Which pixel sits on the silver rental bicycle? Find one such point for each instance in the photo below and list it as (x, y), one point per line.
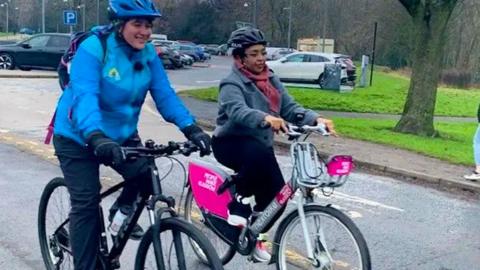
(312, 236)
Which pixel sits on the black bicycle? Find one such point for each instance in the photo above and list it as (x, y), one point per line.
(167, 244)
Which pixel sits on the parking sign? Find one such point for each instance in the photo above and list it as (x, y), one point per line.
(70, 17)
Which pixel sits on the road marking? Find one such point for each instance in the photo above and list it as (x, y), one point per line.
(213, 81)
(355, 214)
(352, 198)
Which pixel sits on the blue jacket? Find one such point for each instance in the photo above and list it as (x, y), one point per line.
(106, 93)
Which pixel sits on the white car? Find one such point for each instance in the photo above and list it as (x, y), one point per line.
(304, 67)
(274, 53)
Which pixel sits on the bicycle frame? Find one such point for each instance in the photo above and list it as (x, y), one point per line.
(149, 203)
(109, 259)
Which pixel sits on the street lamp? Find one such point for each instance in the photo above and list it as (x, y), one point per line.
(82, 6)
(6, 8)
(43, 16)
(254, 12)
(289, 24)
(98, 12)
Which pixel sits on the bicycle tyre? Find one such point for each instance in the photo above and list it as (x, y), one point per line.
(343, 220)
(45, 244)
(176, 225)
(225, 251)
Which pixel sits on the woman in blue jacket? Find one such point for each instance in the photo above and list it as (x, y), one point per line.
(98, 113)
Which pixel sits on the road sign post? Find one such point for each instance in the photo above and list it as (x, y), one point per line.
(70, 18)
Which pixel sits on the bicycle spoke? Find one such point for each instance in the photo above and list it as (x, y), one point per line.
(333, 244)
(55, 242)
(178, 253)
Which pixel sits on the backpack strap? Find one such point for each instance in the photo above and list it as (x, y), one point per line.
(48, 137)
(103, 41)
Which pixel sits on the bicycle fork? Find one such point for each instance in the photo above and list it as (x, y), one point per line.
(321, 257)
(156, 217)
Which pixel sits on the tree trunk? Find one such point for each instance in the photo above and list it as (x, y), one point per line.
(430, 20)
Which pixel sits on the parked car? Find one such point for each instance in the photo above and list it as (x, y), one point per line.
(164, 57)
(200, 53)
(212, 49)
(26, 31)
(41, 51)
(222, 49)
(173, 56)
(306, 67)
(188, 50)
(161, 42)
(281, 52)
(274, 53)
(186, 59)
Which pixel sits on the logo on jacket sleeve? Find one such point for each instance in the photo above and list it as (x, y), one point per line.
(113, 73)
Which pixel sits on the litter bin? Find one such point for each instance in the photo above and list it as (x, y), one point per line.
(332, 77)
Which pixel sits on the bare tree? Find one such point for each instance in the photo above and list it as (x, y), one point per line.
(430, 18)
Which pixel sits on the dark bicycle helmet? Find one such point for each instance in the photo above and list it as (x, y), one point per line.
(126, 9)
(245, 37)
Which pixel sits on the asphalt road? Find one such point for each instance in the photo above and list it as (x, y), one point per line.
(406, 226)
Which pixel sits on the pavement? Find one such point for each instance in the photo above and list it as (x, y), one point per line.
(375, 158)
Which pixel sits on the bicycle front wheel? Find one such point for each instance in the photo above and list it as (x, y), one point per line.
(53, 226)
(336, 241)
(177, 237)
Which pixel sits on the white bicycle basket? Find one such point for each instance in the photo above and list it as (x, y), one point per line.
(313, 172)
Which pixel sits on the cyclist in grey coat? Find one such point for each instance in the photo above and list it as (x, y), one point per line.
(252, 107)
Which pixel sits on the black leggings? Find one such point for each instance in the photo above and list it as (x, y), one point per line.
(81, 172)
(258, 173)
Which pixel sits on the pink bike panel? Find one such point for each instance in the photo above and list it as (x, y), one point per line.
(205, 179)
(340, 165)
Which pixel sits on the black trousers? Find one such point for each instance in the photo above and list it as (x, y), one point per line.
(81, 172)
(258, 172)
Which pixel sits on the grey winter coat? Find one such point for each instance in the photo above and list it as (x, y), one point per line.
(243, 107)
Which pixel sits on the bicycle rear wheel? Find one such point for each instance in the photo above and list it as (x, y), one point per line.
(336, 241)
(194, 215)
(53, 226)
(176, 236)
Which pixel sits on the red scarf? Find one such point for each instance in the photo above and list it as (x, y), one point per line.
(263, 83)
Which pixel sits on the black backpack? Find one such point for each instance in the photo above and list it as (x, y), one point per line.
(101, 32)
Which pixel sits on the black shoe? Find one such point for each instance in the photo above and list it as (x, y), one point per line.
(239, 211)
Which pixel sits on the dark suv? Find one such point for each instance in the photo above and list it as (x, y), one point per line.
(41, 51)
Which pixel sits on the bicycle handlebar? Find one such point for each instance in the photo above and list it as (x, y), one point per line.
(159, 150)
(295, 131)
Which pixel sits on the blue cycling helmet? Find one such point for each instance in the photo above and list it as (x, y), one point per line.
(126, 9)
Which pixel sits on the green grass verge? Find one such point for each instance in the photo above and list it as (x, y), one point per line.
(387, 95)
(453, 145)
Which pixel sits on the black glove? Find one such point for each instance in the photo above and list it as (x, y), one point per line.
(199, 138)
(108, 151)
